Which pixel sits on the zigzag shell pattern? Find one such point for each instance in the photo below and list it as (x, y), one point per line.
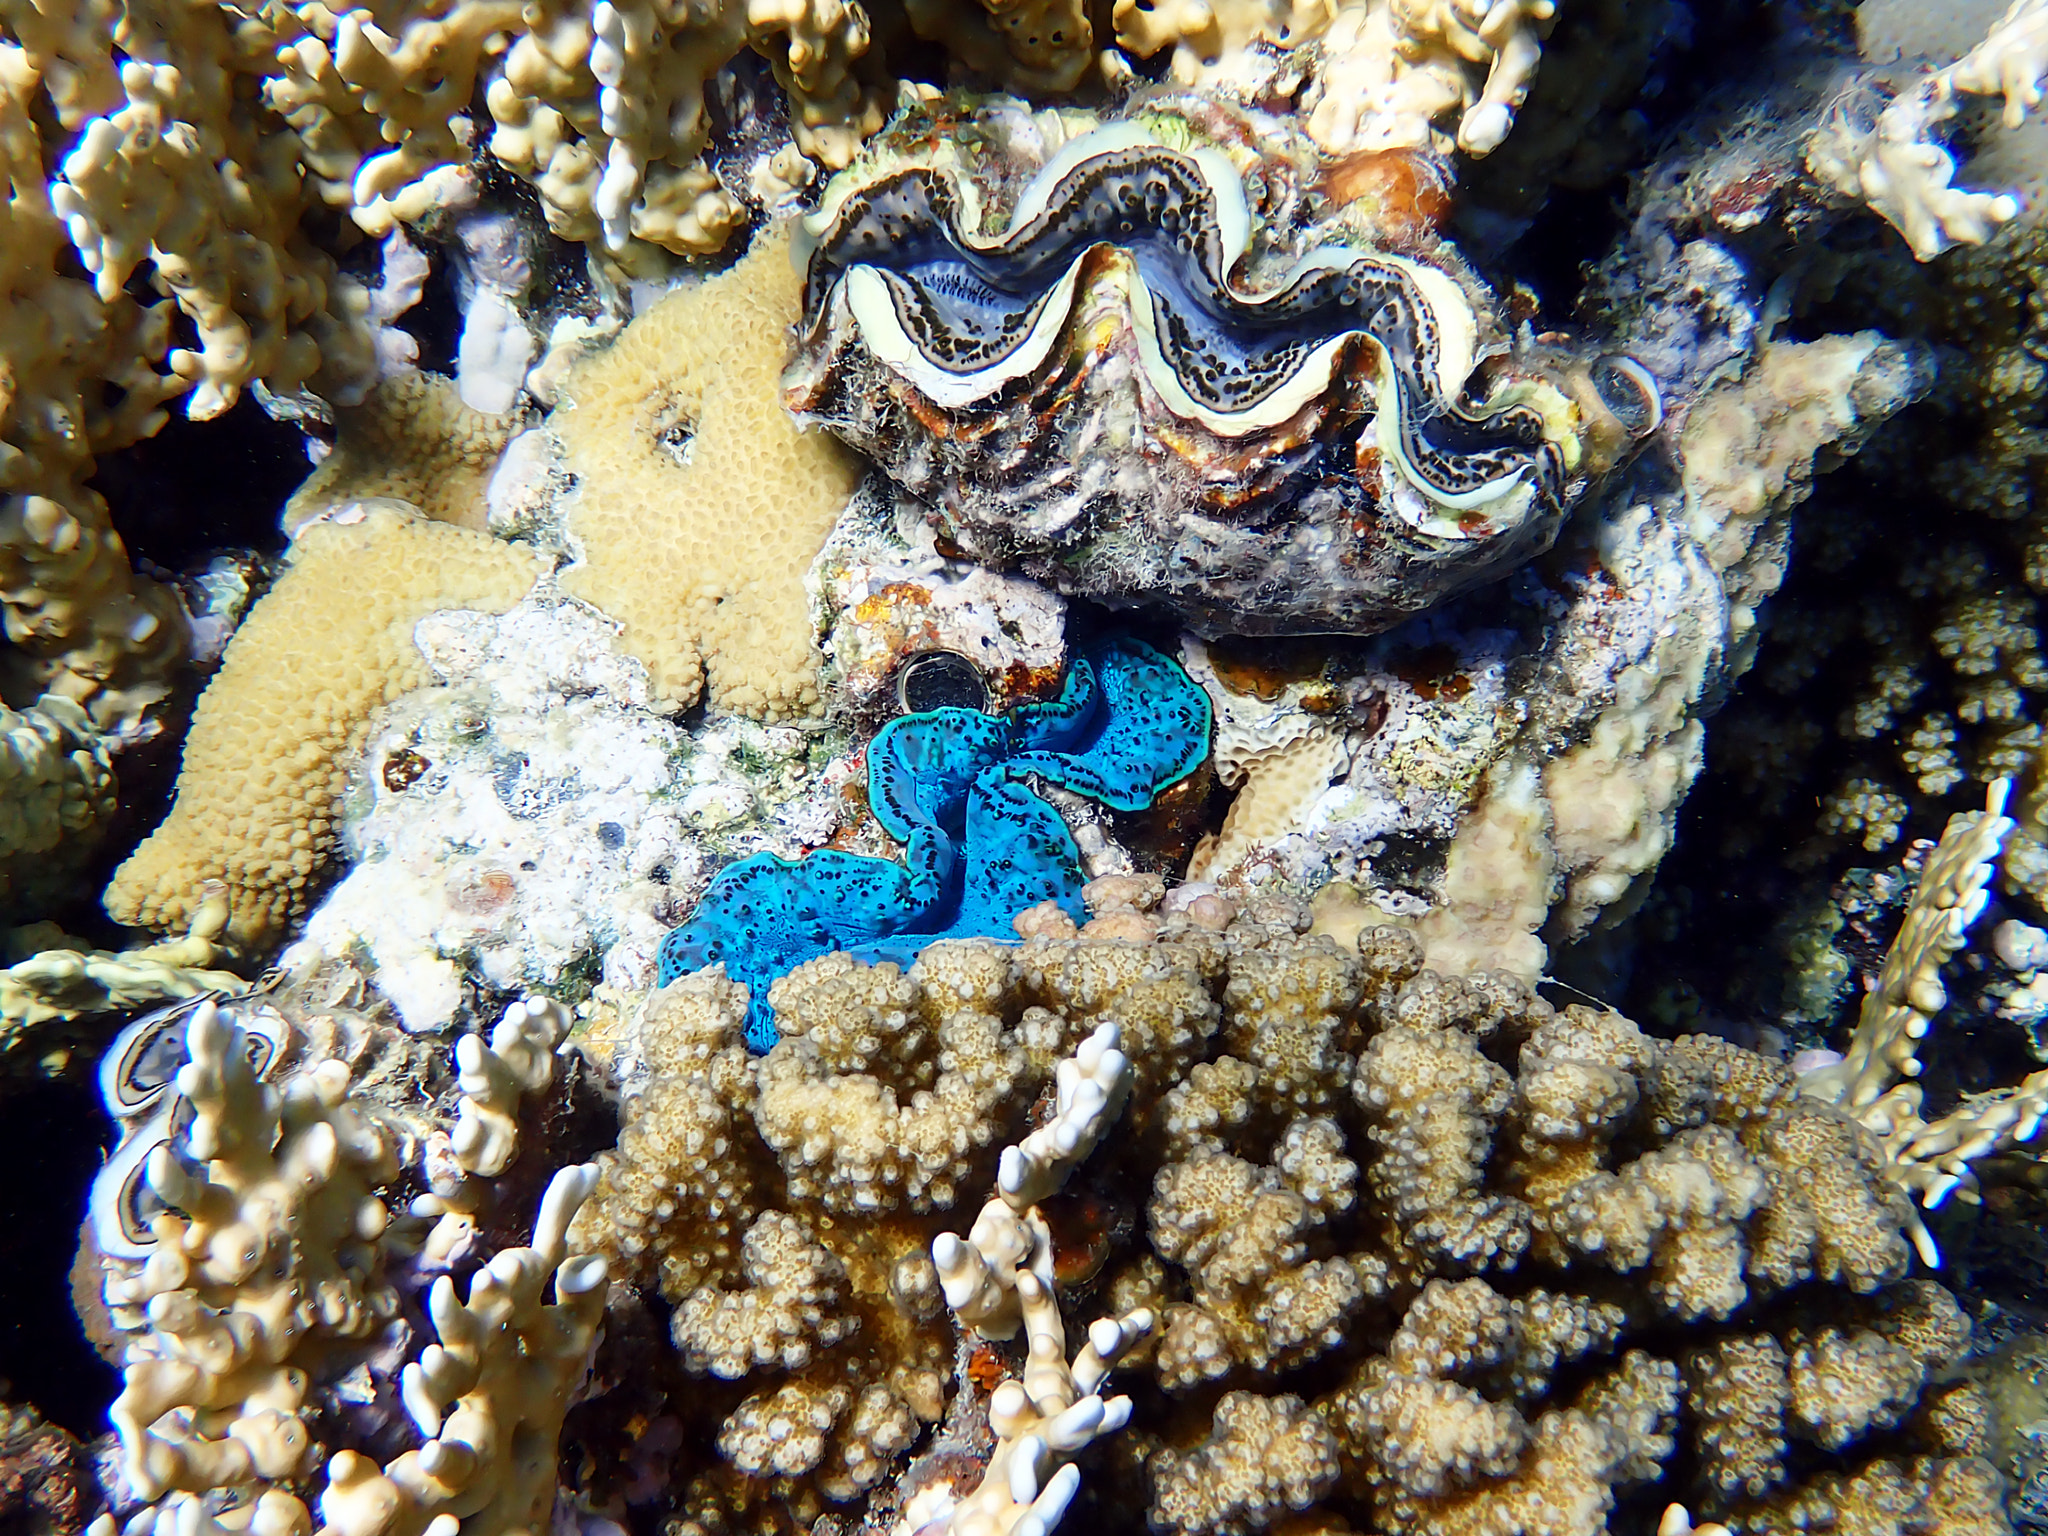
(1101, 365)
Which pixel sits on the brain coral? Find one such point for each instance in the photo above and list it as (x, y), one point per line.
(1428, 1256)
(273, 735)
(701, 503)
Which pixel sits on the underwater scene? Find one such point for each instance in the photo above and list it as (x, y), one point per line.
(992, 767)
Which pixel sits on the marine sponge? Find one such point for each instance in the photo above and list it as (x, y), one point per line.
(272, 737)
(701, 503)
(953, 785)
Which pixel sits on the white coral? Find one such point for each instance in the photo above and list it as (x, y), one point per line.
(1902, 173)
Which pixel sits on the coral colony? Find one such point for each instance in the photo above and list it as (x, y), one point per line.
(952, 805)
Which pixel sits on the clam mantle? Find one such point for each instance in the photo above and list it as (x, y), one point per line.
(1157, 359)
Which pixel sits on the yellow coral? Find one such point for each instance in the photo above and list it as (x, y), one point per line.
(412, 440)
(701, 503)
(271, 740)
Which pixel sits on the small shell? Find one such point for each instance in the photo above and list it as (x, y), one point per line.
(940, 680)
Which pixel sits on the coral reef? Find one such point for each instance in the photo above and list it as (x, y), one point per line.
(274, 736)
(793, 1002)
(1122, 376)
(699, 503)
(269, 1266)
(953, 786)
(1414, 1252)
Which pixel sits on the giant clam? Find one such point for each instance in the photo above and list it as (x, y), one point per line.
(1153, 359)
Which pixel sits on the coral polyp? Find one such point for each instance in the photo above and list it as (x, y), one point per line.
(1165, 347)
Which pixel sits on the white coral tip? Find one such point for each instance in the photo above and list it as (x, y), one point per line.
(580, 1276)
(1076, 1426)
(1050, 1506)
(419, 1400)
(1025, 1464)
(1011, 1172)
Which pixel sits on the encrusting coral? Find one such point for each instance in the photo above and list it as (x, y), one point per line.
(272, 740)
(410, 439)
(699, 502)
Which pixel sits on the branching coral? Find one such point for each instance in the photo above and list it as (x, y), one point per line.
(1895, 165)
(67, 982)
(1396, 71)
(489, 1398)
(1419, 1253)
(273, 1237)
(1931, 1159)
(274, 1267)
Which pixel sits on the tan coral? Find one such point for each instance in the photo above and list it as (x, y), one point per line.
(1395, 72)
(56, 791)
(488, 1401)
(1262, 1294)
(1501, 1238)
(69, 983)
(82, 625)
(672, 1199)
(854, 1141)
(700, 502)
(1899, 168)
(1210, 42)
(278, 1245)
(1265, 1457)
(144, 182)
(603, 108)
(793, 1303)
(269, 751)
(1034, 47)
(1280, 784)
(412, 440)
